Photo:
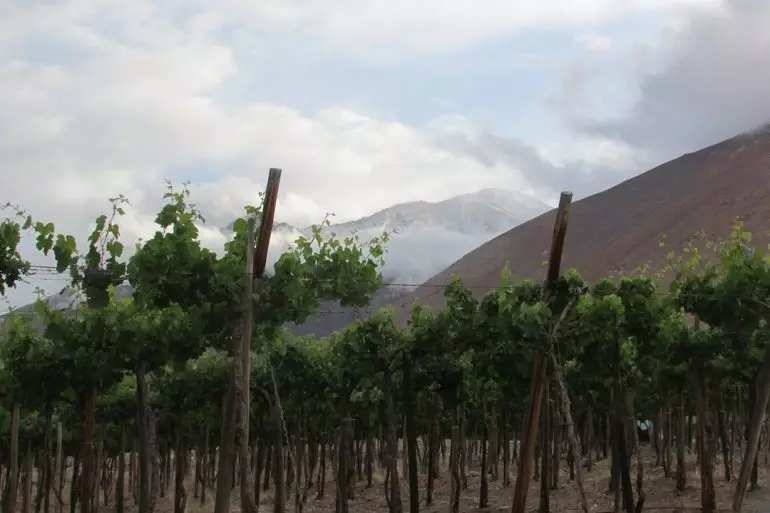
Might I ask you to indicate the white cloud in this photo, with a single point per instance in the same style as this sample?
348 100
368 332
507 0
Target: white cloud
125 117
121 117
706 81
594 42
100 97
364 27
436 25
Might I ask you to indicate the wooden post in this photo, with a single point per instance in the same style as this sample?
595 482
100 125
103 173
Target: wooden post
539 365
266 223
256 260
238 400
248 504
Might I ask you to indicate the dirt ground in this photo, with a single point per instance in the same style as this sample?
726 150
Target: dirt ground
661 494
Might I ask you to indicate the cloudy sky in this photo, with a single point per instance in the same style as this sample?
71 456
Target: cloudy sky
363 103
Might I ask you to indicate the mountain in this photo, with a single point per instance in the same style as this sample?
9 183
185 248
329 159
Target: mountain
620 229
485 211
425 238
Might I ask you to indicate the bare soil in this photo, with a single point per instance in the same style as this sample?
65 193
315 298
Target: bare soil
662 496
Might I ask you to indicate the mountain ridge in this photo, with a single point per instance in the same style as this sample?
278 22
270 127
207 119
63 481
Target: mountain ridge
425 237
494 199
619 229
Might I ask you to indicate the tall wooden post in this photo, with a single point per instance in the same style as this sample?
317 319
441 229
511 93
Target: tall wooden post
248 503
540 363
256 260
238 398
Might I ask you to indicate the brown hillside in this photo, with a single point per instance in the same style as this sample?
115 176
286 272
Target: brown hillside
620 228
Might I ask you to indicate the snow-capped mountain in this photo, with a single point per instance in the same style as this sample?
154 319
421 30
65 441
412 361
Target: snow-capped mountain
485 211
426 237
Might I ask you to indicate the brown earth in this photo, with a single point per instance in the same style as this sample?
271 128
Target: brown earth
661 494
620 229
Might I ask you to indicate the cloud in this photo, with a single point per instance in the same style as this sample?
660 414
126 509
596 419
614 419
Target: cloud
366 28
126 117
132 103
710 86
594 42
100 97
402 266
602 165
385 26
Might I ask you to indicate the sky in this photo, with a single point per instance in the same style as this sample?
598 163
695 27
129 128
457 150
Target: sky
362 103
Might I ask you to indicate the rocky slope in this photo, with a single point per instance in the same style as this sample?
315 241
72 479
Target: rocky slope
620 229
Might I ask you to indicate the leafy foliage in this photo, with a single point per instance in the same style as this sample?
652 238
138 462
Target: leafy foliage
465 363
